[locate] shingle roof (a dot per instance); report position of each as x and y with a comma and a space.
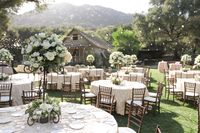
97, 42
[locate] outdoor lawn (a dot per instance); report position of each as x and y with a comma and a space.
174, 117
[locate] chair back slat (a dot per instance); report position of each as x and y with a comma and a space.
104, 89
29, 96
190, 87
133, 77
5, 89
136, 116
138, 94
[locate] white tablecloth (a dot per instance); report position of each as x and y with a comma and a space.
124, 76
122, 92
175, 66
135, 69
188, 74
92, 120
59, 78
92, 72
162, 65
180, 83
20, 82
6, 69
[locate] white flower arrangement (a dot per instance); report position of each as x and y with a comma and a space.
39, 109
3, 76
116, 80
130, 59
197, 62
117, 58
47, 51
90, 59
5, 55
186, 59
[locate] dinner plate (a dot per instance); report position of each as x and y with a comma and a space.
4, 120
76, 125
71, 111
9, 109
17, 114
78, 116
7, 130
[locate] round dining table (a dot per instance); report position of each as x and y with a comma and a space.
92, 72
20, 82
75, 118
59, 78
124, 76
121, 92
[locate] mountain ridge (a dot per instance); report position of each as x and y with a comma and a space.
65, 14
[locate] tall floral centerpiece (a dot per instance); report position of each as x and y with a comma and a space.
5, 57
116, 59
47, 52
129, 60
186, 59
197, 62
90, 59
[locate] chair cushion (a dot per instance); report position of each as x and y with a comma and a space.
175, 90
125, 130
89, 94
152, 94
191, 94
134, 102
5, 99
150, 99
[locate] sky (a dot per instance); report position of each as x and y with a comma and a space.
126, 6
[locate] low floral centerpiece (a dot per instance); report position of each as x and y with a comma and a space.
43, 111
3, 76
116, 80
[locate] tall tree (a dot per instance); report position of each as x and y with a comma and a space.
125, 41
9, 6
170, 22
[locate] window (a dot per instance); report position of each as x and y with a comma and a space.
75, 36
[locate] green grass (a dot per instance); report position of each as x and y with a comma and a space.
174, 117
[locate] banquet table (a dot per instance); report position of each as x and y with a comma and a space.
124, 76
135, 69
122, 92
6, 69
20, 82
75, 118
175, 66
92, 72
162, 65
59, 78
188, 74
180, 83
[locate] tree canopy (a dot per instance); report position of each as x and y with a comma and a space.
125, 41
170, 23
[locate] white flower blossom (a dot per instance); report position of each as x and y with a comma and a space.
50, 55
45, 44
29, 49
